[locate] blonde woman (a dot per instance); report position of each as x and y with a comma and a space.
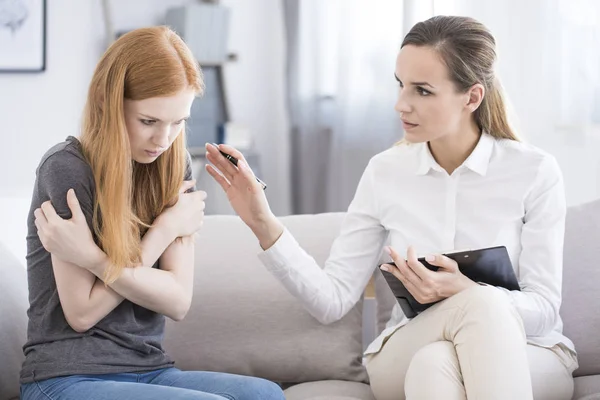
460, 179
110, 241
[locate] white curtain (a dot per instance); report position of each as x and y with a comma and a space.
342, 91
368, 37
579, 62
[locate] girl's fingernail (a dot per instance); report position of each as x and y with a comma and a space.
430, 258
384, 268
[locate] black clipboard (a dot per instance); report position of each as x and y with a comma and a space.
490, 265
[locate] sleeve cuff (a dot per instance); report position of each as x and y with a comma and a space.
277, 258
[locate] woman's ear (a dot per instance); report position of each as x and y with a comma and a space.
475, 96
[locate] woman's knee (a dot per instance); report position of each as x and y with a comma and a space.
432, 367
432, 357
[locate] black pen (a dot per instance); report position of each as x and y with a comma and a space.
234, 161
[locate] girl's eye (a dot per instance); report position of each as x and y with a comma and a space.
179, 122
148, 121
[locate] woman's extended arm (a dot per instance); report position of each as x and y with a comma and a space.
329, 293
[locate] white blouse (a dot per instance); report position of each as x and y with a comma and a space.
506, 193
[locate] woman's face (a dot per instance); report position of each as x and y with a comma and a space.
429, 104
153, 124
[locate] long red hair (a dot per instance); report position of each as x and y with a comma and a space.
144, 63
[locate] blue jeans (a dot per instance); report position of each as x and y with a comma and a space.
168, 383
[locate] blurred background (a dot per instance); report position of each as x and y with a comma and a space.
304, 87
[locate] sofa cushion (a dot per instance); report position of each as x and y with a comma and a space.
587, 388
329, 390
13, 322
581, 277
244, 321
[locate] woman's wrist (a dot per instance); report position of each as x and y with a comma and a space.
267, 230
465, 283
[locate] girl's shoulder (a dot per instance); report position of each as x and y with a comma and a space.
65, 155
64, 166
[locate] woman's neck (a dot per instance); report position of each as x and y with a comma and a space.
452, 150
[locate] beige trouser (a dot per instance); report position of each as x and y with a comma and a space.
472, 345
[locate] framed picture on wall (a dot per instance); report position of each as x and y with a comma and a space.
22, 35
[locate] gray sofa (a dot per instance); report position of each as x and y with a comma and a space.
243, 321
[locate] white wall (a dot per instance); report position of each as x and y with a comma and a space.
39, 110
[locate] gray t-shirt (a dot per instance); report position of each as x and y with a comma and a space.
128, 339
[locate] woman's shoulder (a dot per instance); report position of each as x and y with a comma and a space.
65, 160
524, 154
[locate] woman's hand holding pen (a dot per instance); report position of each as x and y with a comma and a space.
425, 285
245, 194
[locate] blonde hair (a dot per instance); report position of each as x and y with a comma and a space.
468, 49
144, 63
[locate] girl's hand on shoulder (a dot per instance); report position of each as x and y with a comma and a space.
67, 239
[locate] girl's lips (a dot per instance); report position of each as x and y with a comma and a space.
408, 125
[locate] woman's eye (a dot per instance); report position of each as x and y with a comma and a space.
423, 92
179, 122
148, 121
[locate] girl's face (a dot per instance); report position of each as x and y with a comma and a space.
429, 103
153, 124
